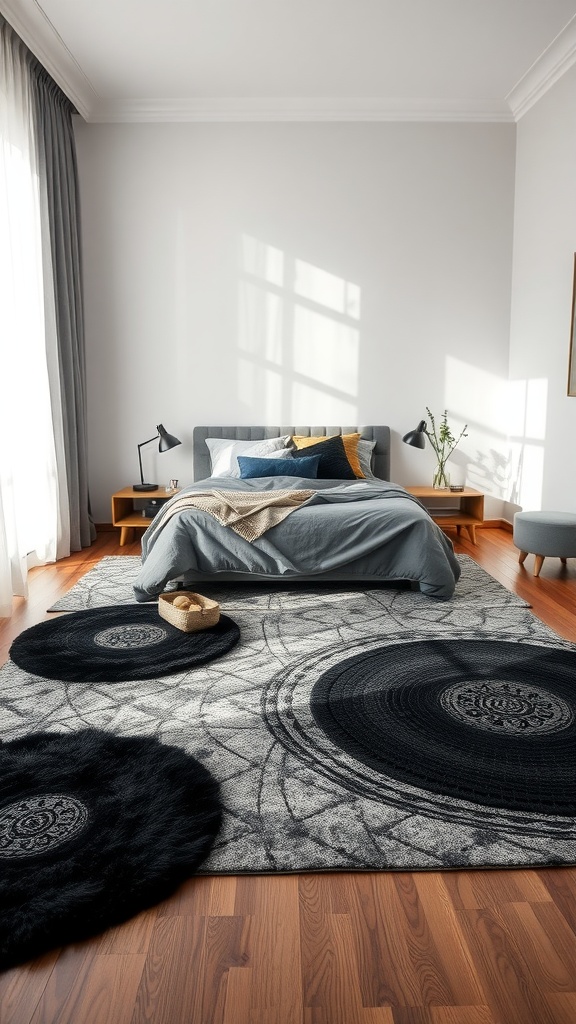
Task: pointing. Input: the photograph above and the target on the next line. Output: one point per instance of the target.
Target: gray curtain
(58, 169)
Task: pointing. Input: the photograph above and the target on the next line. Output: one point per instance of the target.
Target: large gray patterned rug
(353, 727)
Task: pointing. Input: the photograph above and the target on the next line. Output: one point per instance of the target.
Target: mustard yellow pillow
(350, 447)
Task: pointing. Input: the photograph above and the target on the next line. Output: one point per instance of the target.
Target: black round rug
(117, 642)
(94, 828)
(476, 720)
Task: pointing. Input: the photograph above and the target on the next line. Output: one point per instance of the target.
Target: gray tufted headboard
(380, 459)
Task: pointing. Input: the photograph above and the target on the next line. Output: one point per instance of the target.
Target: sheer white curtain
(29, 488)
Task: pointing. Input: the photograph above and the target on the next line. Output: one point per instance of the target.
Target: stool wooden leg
(538, 563)
(522, 557)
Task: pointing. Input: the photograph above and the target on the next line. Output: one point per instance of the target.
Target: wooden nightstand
(127, 516)
(469, 514)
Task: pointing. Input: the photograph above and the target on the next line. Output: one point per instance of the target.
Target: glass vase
(441, 478)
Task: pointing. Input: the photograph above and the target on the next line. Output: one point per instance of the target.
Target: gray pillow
(365, 452)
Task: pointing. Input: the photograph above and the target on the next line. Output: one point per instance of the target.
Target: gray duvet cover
(349, 530)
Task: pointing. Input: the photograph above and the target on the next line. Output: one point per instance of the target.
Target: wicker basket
(189, 621)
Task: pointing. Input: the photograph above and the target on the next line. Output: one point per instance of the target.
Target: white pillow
(365, 450)
(224, 452)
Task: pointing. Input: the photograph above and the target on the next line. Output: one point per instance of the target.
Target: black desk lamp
(167, 441)
(417, 438)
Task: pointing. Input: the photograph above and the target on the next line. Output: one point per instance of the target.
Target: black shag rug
(93, 829)
(117, 643)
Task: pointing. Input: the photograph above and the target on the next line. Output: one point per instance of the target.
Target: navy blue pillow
(334, 463)
(250, 468)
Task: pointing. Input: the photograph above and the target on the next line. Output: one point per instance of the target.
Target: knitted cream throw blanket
(248, 513)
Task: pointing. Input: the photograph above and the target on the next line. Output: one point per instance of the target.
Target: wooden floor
(460, 947)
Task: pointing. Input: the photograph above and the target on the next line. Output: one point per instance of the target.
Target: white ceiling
(122, 60)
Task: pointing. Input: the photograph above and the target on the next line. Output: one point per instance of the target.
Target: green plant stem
(442, 440)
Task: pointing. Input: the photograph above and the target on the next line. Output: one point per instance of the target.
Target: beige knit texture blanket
(248, 513)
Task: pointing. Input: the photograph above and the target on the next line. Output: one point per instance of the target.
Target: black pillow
(333, 463)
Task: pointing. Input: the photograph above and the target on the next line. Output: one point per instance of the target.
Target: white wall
(544, 421)
(280, 273)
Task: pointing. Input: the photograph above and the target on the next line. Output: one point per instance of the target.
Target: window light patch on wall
(479, 398)
(327, 289)
(262, 260)
(528, 402)
(298, 338)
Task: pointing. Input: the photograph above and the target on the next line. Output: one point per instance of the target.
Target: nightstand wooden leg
(126, 535)
(538, 562)
(472, 532)
(522, 557)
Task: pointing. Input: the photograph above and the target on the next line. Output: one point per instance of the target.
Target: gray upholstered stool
(545, 533)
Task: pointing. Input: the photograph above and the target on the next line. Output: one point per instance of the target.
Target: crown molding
(296, 109)
(35, 29)
(545, 71)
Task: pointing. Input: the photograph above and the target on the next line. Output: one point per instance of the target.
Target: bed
(367, 529)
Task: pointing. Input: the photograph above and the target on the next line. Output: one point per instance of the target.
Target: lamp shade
(417, 438)
(167, 441)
